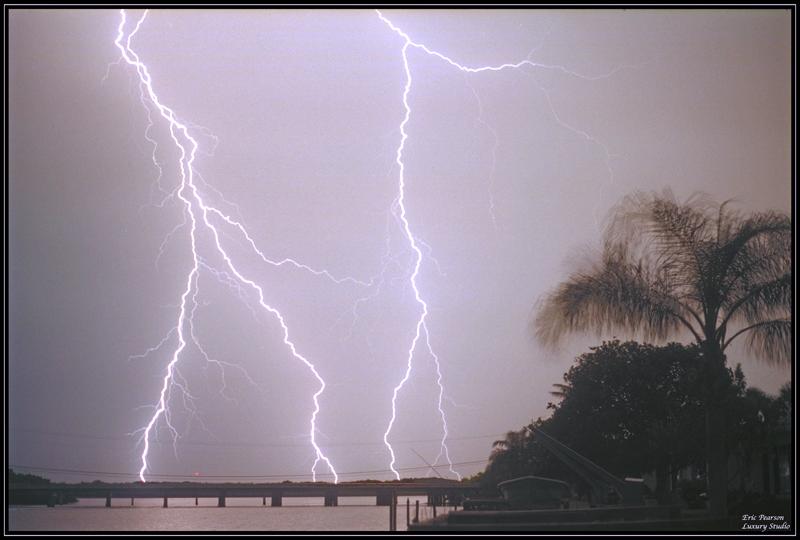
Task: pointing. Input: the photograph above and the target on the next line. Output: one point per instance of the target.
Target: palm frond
(769, 300)
(560, 390)
(758, 252)
(695, 264)
(616, 294)
(676, 237)
(771, 341)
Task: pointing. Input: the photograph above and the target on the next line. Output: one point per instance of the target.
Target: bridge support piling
(393, 512)
(221, 501)
(383, 498)
(196, 501)
(51, 500)
(436, 499)
(408, 512)
(331, 499)
(166, 504)
(263, 501)
(277, 499)
(108, 501)
(416, 511)
(131, 501)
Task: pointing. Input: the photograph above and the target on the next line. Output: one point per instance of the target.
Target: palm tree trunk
(717, 459)
(716, 430)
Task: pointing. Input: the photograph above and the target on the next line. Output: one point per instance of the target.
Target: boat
(526, 493)
(535, 493)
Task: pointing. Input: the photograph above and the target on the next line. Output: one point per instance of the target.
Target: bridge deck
(159, 490)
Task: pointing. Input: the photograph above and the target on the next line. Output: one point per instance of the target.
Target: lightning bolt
(400, 212)
(495, 146)
(201, 214)
(607, 155)
(400, 208)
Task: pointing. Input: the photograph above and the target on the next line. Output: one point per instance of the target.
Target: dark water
(297, 514)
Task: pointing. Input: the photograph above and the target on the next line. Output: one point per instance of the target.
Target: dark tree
(760, 425)
(633, 409)
(630, 408)
(510, 457)
(699, 268)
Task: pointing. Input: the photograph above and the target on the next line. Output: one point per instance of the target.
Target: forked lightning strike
(414, 242)
(200, 213)
(420, 326)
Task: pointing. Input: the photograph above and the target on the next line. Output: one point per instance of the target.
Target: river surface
(240, 514)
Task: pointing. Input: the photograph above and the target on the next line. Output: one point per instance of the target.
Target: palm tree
(698, 267)
(510, 453)
(510, 457)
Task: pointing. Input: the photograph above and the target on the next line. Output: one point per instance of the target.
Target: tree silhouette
(632, 408)
(697, 267)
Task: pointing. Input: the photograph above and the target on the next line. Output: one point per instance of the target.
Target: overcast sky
(509, 176)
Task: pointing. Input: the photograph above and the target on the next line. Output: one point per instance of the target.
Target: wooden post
(263, 501)
(394, 506)
(221, 501)
(434, 506)
(408, 512)
(416, 512)
(165, 505)
(196, 501)
(393, 512)
(131, 501)
(108, 501)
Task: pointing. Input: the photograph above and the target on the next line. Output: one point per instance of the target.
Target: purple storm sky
(509, 176)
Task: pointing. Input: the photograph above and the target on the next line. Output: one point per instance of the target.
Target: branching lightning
(495, 146)
(201, 214)
(420, 326)
(202, 217)
(400, 208)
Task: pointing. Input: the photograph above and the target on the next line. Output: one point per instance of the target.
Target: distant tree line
(16, 479)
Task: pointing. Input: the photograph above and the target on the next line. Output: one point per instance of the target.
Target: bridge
(385, 493)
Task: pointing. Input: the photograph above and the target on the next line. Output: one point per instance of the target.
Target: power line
(182, 476)
(243, 444)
